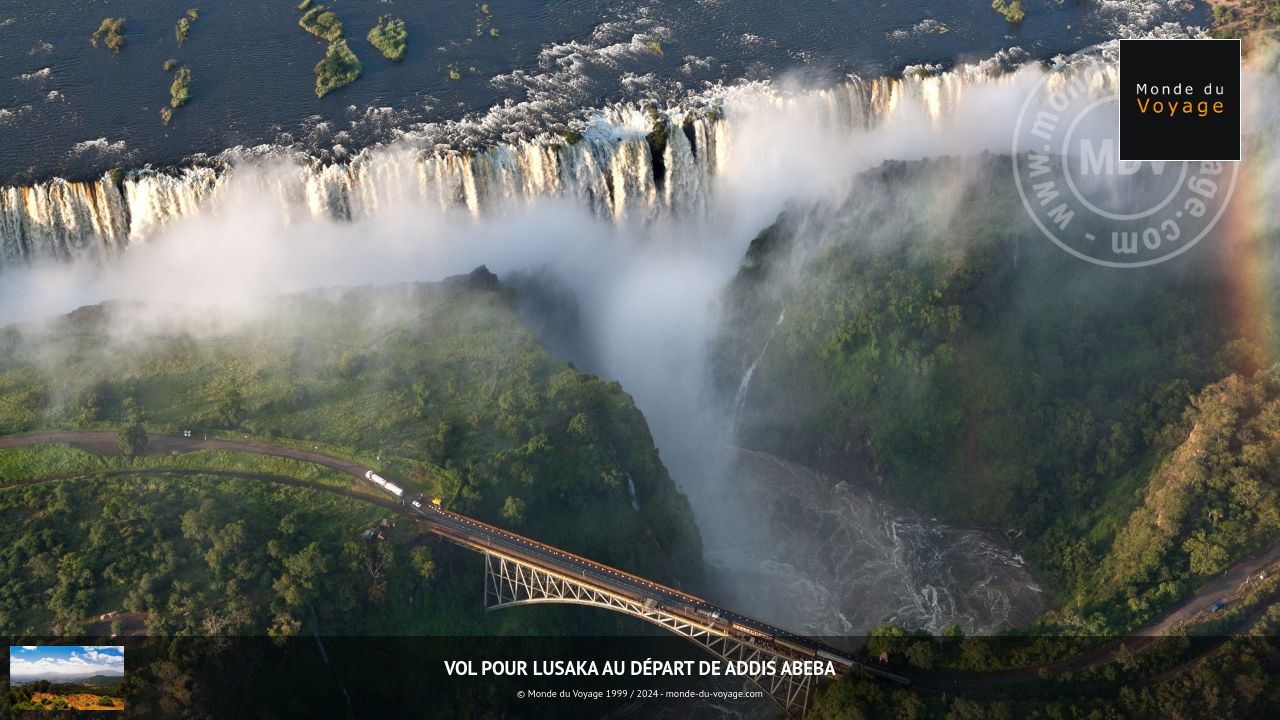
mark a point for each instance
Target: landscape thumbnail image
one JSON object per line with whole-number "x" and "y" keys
{"x": 66, "y": 677}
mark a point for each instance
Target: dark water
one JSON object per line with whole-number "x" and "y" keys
{"x": 69, "y": 109}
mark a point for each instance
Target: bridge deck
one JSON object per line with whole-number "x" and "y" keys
{"x": 483, "y": 537}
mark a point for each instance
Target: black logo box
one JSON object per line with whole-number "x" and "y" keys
{"x": 1197, "y": 64}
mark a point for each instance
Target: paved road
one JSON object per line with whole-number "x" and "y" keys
{"x": 105, "y": 442}
{"x": 478, "y": 535}
{"x": 456, "y": 527}
{"x": 1225, "y": 586}
{"x": 483, "y": 537}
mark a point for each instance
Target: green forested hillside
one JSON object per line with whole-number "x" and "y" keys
{"x": 1211, "y": 499}
{"x": 437, "y": 386}
{"x": 921, "y": 336}
{"x": 960, "y": 361}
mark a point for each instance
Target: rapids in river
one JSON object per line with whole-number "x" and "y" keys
{"x": 839, "y": 561}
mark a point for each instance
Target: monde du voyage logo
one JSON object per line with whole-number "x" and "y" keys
{"x": 1136, "y": 177}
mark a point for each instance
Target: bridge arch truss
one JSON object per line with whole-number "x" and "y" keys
{"x": 510, "y": 582}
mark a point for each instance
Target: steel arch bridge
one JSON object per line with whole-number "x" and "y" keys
{"x": 510, "y": 582}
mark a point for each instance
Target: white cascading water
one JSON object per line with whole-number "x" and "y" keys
{"x": 611, "y": 169}
{"x": 732, "y": 160}
{"x": 839, "y": 562}
{"x": 740, "y": 398}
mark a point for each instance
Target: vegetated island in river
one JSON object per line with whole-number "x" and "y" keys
{"x": 390, "y": 37}
{"x": 179, "y": 93}
{"x": 182, "y": 30}
{"x": 1012, "y": 11}
{"x": 111, "y": 32}
{"x": 339, "y": 67}
{"x": 322, "y": 23}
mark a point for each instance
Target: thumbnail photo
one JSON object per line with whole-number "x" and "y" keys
{"x": 66, "y": 677}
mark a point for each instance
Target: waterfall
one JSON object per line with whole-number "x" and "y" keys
{"x": 610, "y": 167}
{"x": 631, "y": 488}
{"x": 62, "y": 220}
{"x": 740, "y": 398}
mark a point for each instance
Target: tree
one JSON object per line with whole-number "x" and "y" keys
{"x": 1012, "y": 12}
{"x": 198, "y": 523}
{"x": 180, "y": 88}
{"x": 886, "y": 641}
{"x": 34, "y": 400}
{"x": 350, "y": 364}
{"x": 612, "y": 477}
{"x": 338, "y": 68}
{"x": 111, "y": 31}
{"x": 580, "y": 427}
{"x": 227, "y": 544}
{"x": 422, "y": 396}
{"x": 298, "y": 397}
{"x": 94, "y": 403}
{"x": 132, "y": 410}
{"x": 422, "y": 561}
{"x": 922, "y": 654}
{"x": 231, "y": 407}
{"x": 284, "y": 625}
{"x": 390, "y": 37}
{"x": 302, "y": 571}
{"x": 132, "y": 439}
{"x": 1206, "y": 557}
{"x": 513, "y": 510}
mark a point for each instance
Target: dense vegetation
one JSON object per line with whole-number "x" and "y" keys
{"x": 1126, "y": 424}
{"x": 437, "y": 386}
{"x": 96, "y": 693}
{"x": 339, "y": 67}
{"x": 390, "y": 37}
{"x": 111, "y": 32}
{"x": 980, "y": 371}
{"x": 182, "y": 30}
{"x": 1012, "y": 11}
{"x": 1235, "y": 680}
{"x": 1247, "y": 19}
{"x": 159, "y": 553}
{"x": 1210, "y": 500}
{"x": 180, "y": 88}
{"x": 322, "y": 23}
{"x": 179, "y": 91}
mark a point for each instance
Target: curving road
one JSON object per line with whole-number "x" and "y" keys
{"x": 1227, "y": 587}
{"x": 478, "y": 535}
{"x": 104, "y": 442}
